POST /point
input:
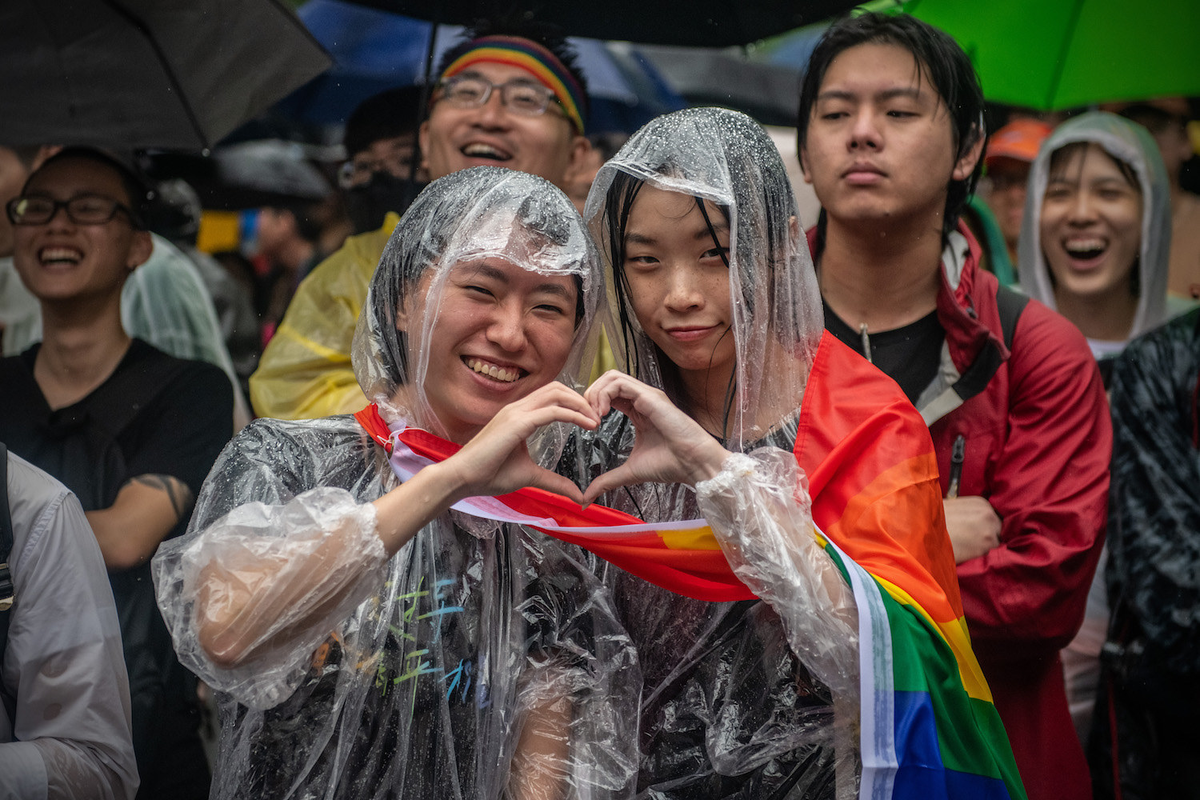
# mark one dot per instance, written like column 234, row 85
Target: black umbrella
column 146, row 73
column 247, row 174
column 725, row 77
column 699, row 23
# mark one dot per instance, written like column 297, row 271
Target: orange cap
column 1019, row 140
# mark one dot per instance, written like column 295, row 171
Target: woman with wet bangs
column 366, row 641
column 1096, row 236
column 728, row 413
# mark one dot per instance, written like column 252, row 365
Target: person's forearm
column 144, row 512
column 1052, row 566
column 411, row 506
column 768, row 538
column 541, row 761
column 249, row 607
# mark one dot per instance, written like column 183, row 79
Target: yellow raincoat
column 305, row 371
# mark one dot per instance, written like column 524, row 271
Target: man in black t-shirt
column 890, row 135
column 131, row 431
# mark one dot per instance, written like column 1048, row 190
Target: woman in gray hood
column 1097, row 230
column 1094, row 246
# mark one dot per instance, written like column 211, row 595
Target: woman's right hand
column 496, row 461
column 669, row 446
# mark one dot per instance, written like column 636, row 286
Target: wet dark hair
column 136, row 189
column 938, row 56
column 548, row 36
column 618, row 204
column 387, row 115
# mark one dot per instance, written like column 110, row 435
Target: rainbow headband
column 534, row 59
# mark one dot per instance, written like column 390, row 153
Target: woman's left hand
column 496, row 461
column 669, row 446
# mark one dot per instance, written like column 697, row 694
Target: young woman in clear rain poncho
column 717, row 306
column 365, row 641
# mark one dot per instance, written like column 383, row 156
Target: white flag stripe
column 406, row 463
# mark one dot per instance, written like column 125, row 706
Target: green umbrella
column 1056, row 54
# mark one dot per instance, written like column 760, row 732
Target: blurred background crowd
column 254, row 208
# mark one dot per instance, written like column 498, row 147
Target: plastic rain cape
column 415, row 676
column 833, row 518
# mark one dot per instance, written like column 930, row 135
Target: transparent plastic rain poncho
column 414, row 677
column 1128, row 142
column 739, row 698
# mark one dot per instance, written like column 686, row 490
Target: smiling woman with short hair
column 1096, row 236
column 367, row 641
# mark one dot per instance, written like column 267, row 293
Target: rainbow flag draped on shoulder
column 929, row 729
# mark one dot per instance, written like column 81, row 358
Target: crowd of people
column 977, row 371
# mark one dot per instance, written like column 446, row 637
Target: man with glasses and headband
column 130, row 430
column 509, row 98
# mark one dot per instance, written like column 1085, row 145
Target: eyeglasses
column 397, row 163
column 83, row 209
column 521, row 96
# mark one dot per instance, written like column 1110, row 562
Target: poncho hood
column 1128, row 142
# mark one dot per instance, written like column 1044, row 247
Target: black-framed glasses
column 521, row 96
column 82, row 209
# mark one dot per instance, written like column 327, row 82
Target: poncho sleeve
column 272, row 564
column 759, row 509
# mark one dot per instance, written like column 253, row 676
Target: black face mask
column 369, row 203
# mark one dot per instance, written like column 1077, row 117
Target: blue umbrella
column 376, row 50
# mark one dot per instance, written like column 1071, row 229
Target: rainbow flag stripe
column 929, row 729
column 683, row 557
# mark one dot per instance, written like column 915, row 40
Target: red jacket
column 1038, row 439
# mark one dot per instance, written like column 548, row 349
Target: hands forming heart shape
column 669, row 446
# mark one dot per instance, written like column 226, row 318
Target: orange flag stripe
column 873, row 477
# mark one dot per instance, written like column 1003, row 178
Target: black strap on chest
column 1010, row 304
column 6, row 545
column 975, row 378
